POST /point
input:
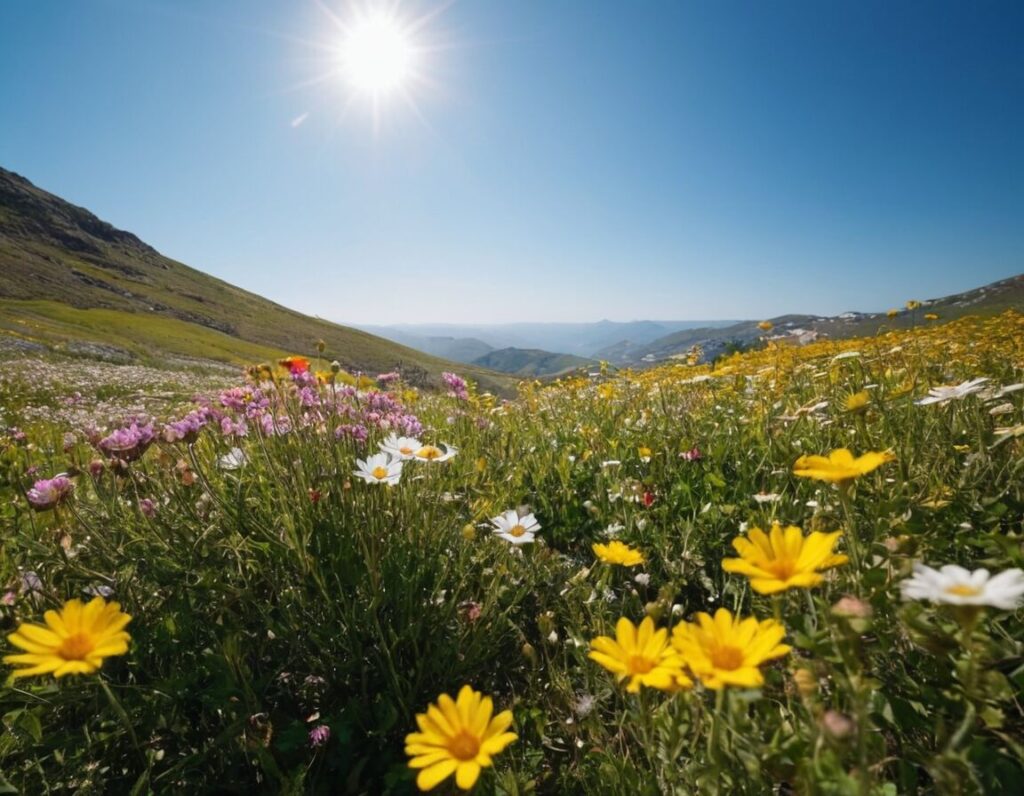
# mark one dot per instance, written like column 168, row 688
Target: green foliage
column 288, row 594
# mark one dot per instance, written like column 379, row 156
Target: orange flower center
column 517, row 531
column 380, row 473
column 464, row 746
column 727, row 657
column 781, row 568
column 963, row 590
column 76, row 647
column 405, row 451
column 640, row 664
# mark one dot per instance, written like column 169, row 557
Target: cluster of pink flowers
column 385, row 379
column 355, row 414
column 48, row 492
column 374, row 410
column 457, row 387
column 187, row 429
column 127, row 443
column 249, row 401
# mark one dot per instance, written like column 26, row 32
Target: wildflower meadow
column 795, row 570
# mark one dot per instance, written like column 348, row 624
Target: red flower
column 648, row 499
column 295, row 365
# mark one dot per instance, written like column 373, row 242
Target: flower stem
column 852, row 542
column 125, row 720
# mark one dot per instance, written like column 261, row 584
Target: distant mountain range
column 74, row 283
column 545, row 349
column 990, row 299
column 580, row 339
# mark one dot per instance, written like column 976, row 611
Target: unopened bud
column 837, row 725
column 653, row 610
column 469, row 532
column 806, row 682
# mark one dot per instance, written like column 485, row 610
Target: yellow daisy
column 857, row 402
column 784, row 559
column 457, row 736
column 75, row 640
column 642, row 654
column 727, row 651
column 618, row 553
column 840, row 466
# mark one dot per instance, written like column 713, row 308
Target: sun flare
column 377, row 55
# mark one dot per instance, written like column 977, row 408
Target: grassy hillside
column 59, row 261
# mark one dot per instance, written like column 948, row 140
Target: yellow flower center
column 963, row 590
column 405, row 451
column 639, row 664
column 76, row 647
column 727, row 657
column 517, row 531
column 464, row 746
column 429, row 452
column 380, row 473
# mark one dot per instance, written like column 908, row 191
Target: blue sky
column 556, row 160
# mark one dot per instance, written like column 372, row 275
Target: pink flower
column 319, row 735
column 128, row 443
column 692, row 455
column 456, row 386
column 48, row 492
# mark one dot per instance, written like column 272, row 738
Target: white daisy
column 767, row 497
column 379, row 469
column 515, row 529
column 955, row 585
column 433, row 453
column 402, row 448
column 233, row 459
column 942, row 395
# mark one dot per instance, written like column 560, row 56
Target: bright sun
column 377, row 55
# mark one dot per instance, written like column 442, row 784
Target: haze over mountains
column 532, row 349
column 579, row 339
column 539, row 349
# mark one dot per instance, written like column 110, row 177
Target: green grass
column 149, row 337
column 288, row 594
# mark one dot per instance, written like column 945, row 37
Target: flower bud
column 837, row 725
column 806, row 682
column 852, row 608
